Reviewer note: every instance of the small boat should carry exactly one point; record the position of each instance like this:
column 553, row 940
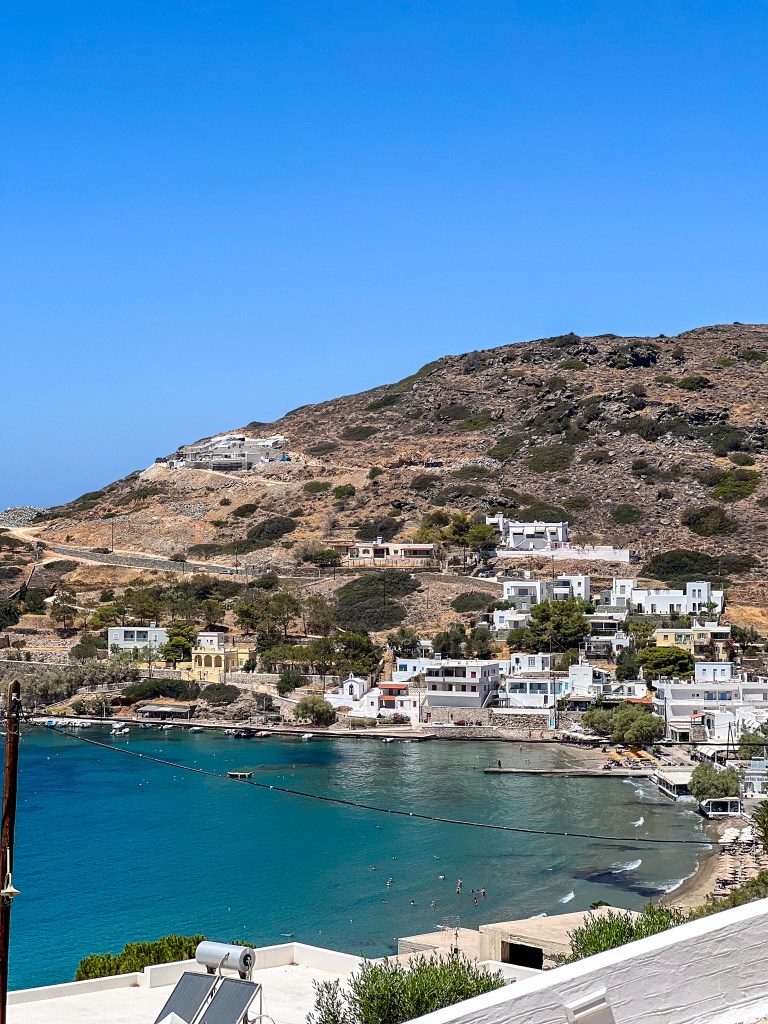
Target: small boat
column 388, row 739
column 262, row 735
column 196, row 728
column 230, row 732
column 308, row 736
column 239, row 775
column 120, row 730
column 244, row 734
column 145, row 725
column 165, row 728
column 51, row 723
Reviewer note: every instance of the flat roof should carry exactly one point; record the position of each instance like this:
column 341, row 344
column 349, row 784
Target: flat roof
column 288, row 996
column 547, row 933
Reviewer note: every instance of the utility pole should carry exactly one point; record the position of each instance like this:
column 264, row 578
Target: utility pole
column 10, row 779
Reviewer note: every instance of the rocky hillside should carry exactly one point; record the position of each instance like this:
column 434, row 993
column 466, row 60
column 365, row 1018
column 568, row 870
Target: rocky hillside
column 651, row 443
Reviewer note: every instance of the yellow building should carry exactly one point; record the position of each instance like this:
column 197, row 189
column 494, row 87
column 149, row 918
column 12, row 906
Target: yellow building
column 709, row 641
column 212, row 657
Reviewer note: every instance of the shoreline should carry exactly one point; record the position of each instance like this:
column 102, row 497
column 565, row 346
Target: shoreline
column 697, row 887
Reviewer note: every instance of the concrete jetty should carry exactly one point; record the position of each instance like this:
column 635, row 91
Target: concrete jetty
column 576, row 773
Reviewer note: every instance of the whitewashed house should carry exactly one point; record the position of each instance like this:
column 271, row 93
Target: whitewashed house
column 535, row 536
column 533, row 690
column 525, row 593
column 131, row 638
column 507, row 619
column 520, row 662
column 461, row 682
column 697, row 598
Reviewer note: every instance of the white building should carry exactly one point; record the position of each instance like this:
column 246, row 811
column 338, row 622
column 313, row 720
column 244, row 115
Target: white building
column 389, row 698
column 520, row 540
column 525, row 593
column 535, row 536
column 697, row 598
column 229, row 452
column 520, row 662
column 566, row 587
column 461, row 682
column 710, row 708
column 130, row 638
column 383, row 552
column 533, row 690
column 507, row 619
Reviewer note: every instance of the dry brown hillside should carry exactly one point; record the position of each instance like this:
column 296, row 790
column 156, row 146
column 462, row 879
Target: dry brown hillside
column 652, row 443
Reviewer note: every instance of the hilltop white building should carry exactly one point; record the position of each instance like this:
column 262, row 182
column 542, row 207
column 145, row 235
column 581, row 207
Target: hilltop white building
column 229, row 452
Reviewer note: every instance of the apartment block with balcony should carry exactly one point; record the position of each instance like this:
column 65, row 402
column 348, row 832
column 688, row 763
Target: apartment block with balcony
column 711, row 641
column 461, row 683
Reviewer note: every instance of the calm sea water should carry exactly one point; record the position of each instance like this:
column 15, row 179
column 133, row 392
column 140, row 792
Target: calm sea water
column 112, row 848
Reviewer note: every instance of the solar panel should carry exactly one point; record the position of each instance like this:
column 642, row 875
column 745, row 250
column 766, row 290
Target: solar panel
column 230, row 1002
column 188, row 996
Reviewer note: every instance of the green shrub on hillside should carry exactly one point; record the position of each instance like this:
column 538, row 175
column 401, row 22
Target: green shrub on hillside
column 387, row 400
column 505, row 447
column 753, row 355
column 370, row 602
column 707, row 520
column 472, row 471
column 316, row 486
column 694, row 383
column 425, row 482
column 742, row 458
column 477, row 421
column 681, row 566
column 550, row 458
column 374, row 472
column 323, row 448
column 243, row 511
column 736, row 485
column 267, row 532
column 471, row 601
column 626, row 514
column 598, row 456
column 578, row 503
column 573, row 364
column 724, row 361
column 384, row 526
column 344, row 491
column 359, row 433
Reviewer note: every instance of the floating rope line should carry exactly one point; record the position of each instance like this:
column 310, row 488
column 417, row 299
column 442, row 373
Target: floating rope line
column 399, row 812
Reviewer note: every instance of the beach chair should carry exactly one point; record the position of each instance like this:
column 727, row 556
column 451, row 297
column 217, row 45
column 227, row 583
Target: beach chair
column 230, row 1002
column 188, row 997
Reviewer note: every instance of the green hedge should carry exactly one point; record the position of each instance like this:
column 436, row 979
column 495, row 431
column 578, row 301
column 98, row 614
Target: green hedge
column 135, row 956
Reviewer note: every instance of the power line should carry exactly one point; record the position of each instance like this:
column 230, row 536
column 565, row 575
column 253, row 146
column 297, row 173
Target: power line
column 339, row 801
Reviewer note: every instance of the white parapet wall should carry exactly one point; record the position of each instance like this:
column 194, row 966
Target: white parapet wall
column 576, row 553
column 710, row 971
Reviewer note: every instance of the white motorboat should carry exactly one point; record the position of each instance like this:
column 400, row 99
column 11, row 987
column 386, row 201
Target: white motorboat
column 308, row 736
column 197, row 728
column 230, row 732
column 388, row 739
column 165, row 728
column 119, row 730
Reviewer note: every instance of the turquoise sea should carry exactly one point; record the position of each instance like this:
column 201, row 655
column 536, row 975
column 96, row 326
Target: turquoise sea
column 111, row 848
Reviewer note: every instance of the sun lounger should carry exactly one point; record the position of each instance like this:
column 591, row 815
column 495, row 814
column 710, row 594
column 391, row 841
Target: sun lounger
column 230, row 1002
column 188, row 997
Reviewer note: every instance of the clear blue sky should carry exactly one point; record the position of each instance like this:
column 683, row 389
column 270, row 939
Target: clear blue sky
column 216, row 211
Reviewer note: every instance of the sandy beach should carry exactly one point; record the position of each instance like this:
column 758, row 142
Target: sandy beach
column 700, row 885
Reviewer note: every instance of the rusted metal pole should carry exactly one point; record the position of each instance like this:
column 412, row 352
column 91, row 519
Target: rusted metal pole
column 10, row 779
